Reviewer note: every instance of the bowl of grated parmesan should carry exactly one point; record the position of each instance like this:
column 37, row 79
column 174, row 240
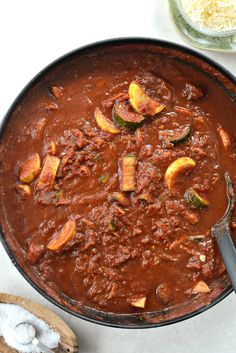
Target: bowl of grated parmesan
column 215, row 18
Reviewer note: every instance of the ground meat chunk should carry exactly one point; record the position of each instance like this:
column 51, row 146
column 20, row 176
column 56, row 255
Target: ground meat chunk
column 35, row 252
column 81, row 263
column 192, row 93
column 154, row 209
column 100, row 215
column 165, row 91
column 78, row 136
column 72, row 138
column 118, row 257
column 225, row 137
column 56, row 91
column 163, row 293
column 191, row 217
column 148, row 176
column 145, row 152
column 194, row 263
column 37, row 128
column 174, row 207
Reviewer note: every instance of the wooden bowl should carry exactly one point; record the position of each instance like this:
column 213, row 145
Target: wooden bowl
column 68, row 342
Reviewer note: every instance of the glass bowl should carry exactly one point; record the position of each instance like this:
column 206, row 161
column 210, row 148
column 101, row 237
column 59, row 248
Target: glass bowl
column 199, row 36
column 201, row 29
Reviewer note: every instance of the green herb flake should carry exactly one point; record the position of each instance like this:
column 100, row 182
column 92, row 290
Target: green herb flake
column 58, row 195
column 103, row 179
column 112, row 225
column 96, row 156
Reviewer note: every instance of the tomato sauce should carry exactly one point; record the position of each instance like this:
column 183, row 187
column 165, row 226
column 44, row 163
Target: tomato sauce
column 75, row 225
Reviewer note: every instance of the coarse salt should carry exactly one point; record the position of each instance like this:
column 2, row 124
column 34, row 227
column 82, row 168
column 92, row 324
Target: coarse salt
column 217, row 15
column 11, row 315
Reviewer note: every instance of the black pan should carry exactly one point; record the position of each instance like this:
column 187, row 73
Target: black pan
column 147, row 319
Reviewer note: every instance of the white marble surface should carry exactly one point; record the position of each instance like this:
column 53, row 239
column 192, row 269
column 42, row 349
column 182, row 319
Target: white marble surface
column 32, row 35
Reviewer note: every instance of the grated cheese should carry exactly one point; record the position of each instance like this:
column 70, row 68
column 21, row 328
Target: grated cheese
column 217, row 15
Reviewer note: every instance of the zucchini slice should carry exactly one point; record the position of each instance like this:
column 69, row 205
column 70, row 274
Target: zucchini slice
column 141, row 102
column 30, row 169
column 23, row 190
column 122, row 116
column 179, row 166
column 139, row 302
column 145, row 197
column 67, row 232
column 104, row 123
column 175, row 136
column 194, row 199
column 51, row 148
column 48, row 173
column 127, row 177
column 120, row 198
column 201, row 287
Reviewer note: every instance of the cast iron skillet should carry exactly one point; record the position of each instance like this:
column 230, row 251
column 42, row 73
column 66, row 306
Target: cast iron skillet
column 147, row 319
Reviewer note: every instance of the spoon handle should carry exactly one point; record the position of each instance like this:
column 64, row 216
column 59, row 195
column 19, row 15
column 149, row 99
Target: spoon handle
column 228, row 253
column 41, row 346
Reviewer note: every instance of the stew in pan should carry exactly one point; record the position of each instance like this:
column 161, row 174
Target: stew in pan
column 112, row 177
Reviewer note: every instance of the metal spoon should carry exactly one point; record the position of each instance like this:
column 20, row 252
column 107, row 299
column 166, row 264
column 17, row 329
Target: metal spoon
column 31, row 339
column 222, row 235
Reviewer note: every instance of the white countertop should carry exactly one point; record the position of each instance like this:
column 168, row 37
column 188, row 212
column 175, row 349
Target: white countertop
column 34, row 34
